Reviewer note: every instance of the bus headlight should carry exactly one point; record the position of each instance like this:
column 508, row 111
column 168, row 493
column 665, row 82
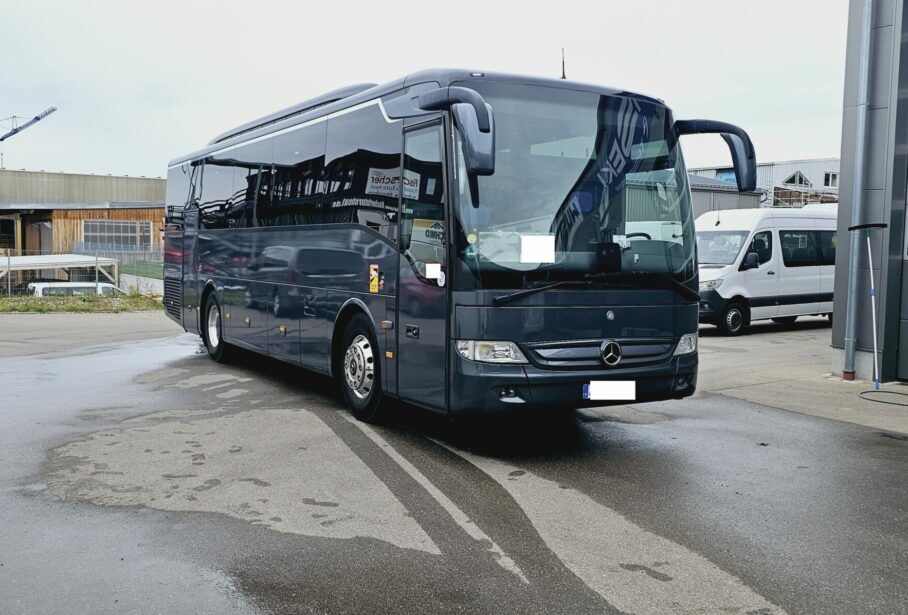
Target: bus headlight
column 687, row 344
column 710, row 285
column 490, row 352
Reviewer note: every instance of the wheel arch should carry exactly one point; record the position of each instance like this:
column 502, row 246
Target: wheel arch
column 347, row 311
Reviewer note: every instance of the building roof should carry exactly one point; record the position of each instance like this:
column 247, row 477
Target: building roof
column 768, row 164
column 107, row 205
column 52, row 261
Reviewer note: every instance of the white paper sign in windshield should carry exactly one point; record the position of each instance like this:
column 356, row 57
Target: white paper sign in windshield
column 386, row 182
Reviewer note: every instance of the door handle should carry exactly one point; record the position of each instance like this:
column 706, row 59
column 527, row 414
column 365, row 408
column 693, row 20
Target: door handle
column 413, row 331
column 770, row 273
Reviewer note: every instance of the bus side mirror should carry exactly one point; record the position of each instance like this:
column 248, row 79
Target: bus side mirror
column 742, row 148
column 478, row 146
column 751, row 261
column 474, row 119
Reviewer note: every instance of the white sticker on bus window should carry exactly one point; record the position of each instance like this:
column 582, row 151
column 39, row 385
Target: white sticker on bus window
column 537, row 248
column 433, row 270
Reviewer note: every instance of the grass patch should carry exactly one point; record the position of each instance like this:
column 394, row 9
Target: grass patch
column 93, row 303
column 145, row 269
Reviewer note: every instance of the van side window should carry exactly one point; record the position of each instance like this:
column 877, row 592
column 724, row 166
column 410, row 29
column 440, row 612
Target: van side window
column 762, row 245
column 826, row 241
column 799, row 248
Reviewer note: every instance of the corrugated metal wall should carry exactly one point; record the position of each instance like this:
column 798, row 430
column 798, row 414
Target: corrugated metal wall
column 42, row 187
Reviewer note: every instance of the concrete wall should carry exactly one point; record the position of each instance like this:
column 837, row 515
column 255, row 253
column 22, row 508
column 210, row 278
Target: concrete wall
column 36, row 187
column 884, row 172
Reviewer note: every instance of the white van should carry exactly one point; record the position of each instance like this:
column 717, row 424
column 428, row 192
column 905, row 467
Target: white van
column 68, row 289
column 765, row 263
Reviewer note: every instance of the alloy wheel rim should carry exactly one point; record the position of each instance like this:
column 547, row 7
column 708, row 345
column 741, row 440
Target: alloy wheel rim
column 359, row 367
column 214, row 326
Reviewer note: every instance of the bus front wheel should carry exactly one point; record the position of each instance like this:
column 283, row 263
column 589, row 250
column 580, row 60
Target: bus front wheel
column 212, row 329
column 359, row 370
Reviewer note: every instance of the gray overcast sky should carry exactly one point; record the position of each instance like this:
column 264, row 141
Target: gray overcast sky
column 138, row 83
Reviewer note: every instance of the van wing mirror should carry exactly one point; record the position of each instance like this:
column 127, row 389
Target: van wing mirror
column 739, row 143
column 474, row 119
column 751, row 261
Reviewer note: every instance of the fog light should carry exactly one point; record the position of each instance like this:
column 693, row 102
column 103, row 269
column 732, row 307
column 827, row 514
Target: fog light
column 507, row 392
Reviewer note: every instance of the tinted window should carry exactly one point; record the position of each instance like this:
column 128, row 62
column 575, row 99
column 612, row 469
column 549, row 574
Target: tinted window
column 424, row 229
column 799, row 248
column 363, row 170
column 177, row 193
column 762, row 245
column 252, row 178
column 826, row 241
column 216, row 189
column 299, row 183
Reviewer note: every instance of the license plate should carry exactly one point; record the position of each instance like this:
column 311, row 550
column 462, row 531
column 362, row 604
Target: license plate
column 610, row 390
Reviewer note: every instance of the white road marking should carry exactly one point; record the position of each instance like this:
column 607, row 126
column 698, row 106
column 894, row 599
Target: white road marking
column 459, row 517
column 633, row 569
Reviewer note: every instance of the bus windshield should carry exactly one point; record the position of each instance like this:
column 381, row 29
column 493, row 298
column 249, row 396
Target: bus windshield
column 583, row 183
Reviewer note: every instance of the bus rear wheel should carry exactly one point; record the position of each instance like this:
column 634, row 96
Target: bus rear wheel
column 358, row 370
column 213, row 328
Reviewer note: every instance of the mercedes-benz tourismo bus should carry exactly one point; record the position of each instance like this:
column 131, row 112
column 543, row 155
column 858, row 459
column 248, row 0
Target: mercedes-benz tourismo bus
column 464, row 241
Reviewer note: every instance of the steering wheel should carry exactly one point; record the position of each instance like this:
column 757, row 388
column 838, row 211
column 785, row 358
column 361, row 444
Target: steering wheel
column 644, row 235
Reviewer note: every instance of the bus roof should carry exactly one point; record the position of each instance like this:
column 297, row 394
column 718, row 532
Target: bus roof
column 344, row 98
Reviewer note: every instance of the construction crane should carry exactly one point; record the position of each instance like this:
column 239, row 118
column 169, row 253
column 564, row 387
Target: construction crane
column 18, row 129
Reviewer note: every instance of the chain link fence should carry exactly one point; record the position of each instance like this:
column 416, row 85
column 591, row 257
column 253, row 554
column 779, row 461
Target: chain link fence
column 82, row 270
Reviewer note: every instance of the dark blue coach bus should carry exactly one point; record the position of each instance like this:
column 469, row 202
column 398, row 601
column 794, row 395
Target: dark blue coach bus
column 467, row 242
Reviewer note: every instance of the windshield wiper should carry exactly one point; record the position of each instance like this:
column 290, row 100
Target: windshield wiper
column 520, row 294
column 661, row 279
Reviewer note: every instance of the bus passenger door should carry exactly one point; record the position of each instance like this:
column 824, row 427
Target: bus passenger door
column 422, row 285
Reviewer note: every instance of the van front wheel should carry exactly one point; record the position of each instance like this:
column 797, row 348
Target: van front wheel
column 735, row 319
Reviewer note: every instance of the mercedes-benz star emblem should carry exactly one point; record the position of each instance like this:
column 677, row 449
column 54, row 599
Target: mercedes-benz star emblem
column 610, row 315
column 611, row 353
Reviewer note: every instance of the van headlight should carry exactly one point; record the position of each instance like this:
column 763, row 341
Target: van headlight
column 687, row 344
column 710, row 285
column 490, row 352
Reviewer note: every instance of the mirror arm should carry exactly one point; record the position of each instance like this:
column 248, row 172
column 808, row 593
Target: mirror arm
column 738, row 142
column 443, row 98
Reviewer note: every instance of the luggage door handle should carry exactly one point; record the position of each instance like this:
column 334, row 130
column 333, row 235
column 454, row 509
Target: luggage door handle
column 412, row 331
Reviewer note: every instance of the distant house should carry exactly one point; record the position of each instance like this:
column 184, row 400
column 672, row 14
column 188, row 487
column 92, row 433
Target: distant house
column 792, row 183
column 43, row 212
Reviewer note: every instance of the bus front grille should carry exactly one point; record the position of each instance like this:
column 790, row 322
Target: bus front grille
column 587, row 354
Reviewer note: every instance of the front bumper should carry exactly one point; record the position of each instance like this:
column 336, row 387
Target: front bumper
column 712, row 306
column 476, row 388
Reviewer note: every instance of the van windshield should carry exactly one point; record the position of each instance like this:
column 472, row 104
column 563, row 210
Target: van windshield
column 719, row 247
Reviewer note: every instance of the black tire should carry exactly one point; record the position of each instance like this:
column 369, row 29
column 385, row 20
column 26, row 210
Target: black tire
column 358, row 370
column 735, row 319
column 829, row 316
column 217, row 348
column 785, row 320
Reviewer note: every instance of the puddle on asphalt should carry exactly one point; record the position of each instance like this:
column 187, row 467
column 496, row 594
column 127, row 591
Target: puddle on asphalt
column 280, row 468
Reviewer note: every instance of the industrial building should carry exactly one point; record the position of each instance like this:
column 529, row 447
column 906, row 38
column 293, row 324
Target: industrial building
column 43, row 212
column 790, row 183
column 709, row 194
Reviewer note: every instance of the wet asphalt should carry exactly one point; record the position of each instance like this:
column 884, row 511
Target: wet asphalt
column 139, row 477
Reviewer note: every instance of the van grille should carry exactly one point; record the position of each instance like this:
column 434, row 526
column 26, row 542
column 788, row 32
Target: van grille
column 172, row 296
column 586, row 354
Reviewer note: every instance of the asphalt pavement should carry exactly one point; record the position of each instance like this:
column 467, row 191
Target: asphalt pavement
column 137, row 476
